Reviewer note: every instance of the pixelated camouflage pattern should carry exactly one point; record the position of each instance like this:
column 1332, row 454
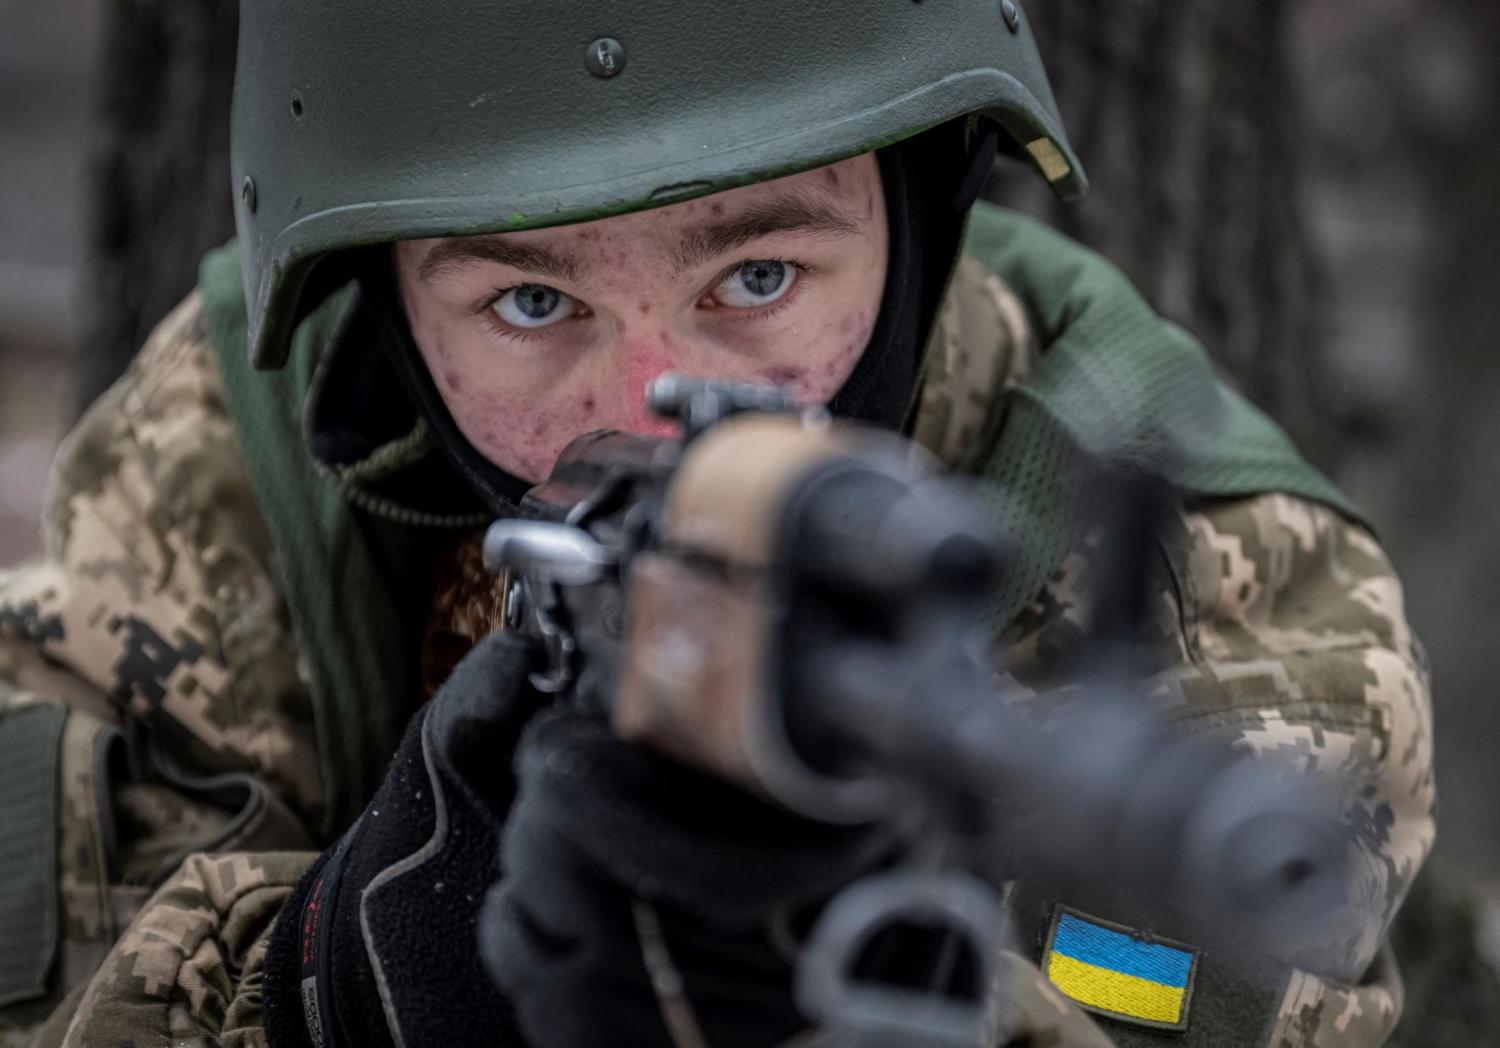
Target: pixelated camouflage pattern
column 1278, row 623
column 154, row 614
column 1318, row 1014
column 981, row 346
column 1300, row 647
column 157, row 584
column 187, row 972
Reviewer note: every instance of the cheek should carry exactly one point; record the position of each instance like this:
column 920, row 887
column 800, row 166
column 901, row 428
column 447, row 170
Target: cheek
column 846, row 343
column 828, row 359
column 524, row 434
column 525, row 439
column 518, row 429
column 523, row 430
column 638, row 370
column 433, row 344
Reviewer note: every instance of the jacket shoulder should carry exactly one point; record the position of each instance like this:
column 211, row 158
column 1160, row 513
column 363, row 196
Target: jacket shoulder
column 981, row 345
column 151, row 624
column 158, row 585
column 1277, row 624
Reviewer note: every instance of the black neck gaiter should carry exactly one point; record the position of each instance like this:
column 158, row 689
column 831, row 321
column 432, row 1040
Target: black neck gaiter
column 930, row 182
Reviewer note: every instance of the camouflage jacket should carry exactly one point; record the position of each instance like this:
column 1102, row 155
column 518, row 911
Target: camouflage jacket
column 164, row 741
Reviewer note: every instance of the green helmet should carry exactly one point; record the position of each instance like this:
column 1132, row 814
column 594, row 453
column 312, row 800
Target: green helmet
column 357, row 123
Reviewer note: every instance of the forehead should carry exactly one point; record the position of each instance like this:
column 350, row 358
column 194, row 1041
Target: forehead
column 840, row 197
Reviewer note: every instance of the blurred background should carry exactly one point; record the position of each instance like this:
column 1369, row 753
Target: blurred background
column 1313, row 187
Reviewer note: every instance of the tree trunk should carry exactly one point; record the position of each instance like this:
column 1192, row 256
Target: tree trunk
column 1184, row 114
column 159, row 177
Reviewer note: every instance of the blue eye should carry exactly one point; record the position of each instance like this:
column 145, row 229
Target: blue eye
column 534, row 306
column 757, row 283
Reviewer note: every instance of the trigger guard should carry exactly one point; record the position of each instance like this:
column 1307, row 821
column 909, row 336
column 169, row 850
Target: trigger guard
column 858, row 1011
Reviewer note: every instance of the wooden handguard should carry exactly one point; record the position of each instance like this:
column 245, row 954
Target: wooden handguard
column 693, row 679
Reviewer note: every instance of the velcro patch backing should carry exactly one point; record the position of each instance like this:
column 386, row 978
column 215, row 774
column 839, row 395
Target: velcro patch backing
column 30, row 742
column 1120, row 972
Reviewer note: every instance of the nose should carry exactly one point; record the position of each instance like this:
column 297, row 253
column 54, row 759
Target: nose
column 642, row 359
column 645, row 422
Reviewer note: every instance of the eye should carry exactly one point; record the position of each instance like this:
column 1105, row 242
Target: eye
column 534, row 306
column 756, row 283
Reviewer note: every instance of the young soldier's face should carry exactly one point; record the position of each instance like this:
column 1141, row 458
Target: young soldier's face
column 536, row 337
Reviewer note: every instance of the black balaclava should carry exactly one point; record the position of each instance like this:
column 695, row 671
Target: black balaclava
column 931, row 181
column 367, row 399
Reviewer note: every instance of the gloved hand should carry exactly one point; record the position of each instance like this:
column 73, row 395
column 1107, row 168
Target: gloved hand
column 377, row 946
column 640, row 894
column 610, row 852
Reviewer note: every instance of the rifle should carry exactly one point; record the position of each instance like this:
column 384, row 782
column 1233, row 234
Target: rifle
column 797, row 606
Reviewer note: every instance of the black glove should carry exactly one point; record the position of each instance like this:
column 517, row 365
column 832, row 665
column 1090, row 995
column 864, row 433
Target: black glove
column 613, row 854
column 384, row 933
column 380, row 933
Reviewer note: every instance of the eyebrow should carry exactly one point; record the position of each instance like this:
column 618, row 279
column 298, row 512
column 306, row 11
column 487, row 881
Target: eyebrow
column 457, row 252
column 784, row 213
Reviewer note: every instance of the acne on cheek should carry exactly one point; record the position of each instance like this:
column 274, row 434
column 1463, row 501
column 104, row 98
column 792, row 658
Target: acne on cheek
column 854, row 334
column 441, row 366
column 524, row 434
column 525, row 448
column 486, row 417
column 837, row 370
column 841, row 345
column 521, row 434
column 526, row 439
column 797, row 378
column 857, row 328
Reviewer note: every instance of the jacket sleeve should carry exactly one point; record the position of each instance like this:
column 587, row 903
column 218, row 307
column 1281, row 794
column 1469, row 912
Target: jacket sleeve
column 188, row 969
column 1298, row 645
column 1281, row 627
column 148, row 676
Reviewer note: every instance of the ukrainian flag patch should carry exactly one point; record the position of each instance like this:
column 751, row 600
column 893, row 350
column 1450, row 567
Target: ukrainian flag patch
column 1119, row 972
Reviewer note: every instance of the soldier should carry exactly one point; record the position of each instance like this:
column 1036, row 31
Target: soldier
column 253, row 577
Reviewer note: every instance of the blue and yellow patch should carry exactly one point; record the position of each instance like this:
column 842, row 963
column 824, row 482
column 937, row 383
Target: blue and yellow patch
column 1116, row 971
